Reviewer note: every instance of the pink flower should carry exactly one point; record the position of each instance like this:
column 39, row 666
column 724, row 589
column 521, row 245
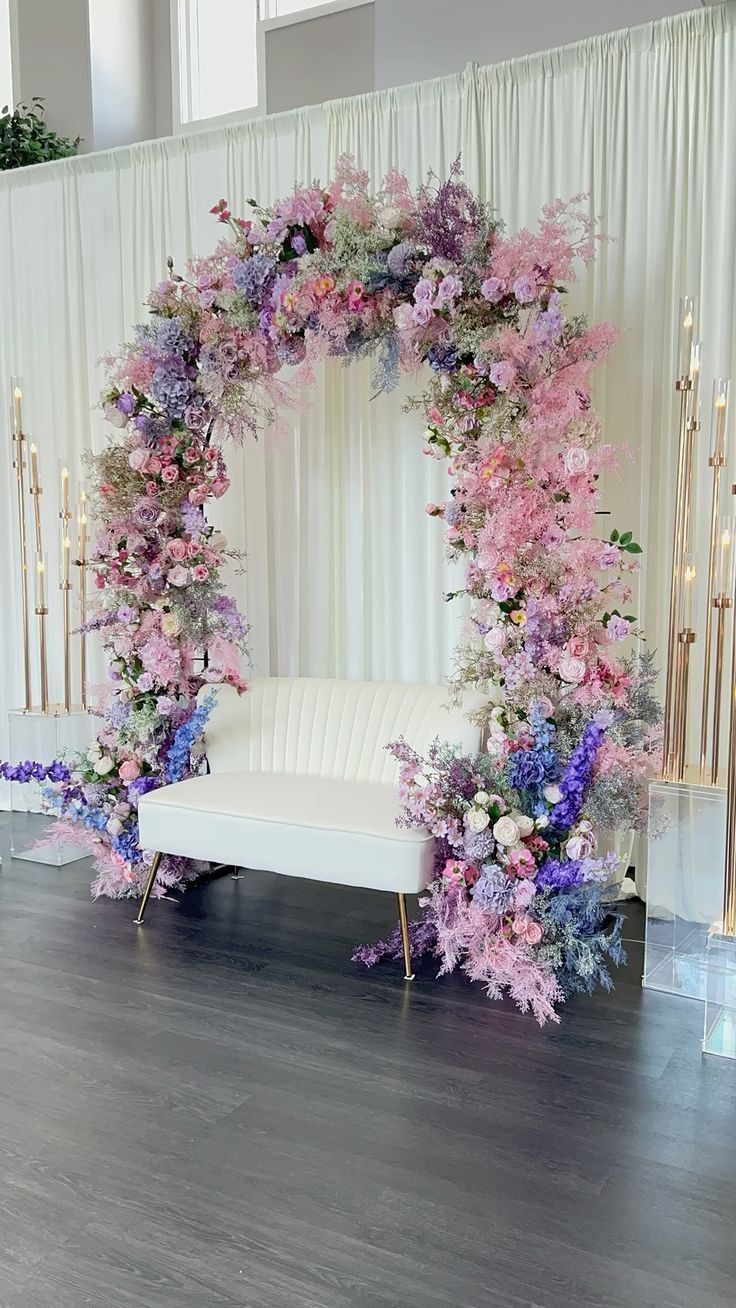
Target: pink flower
column 522, row 862
column 422, row 313
column 177, row 576
column 200, row 572
column 525, row 289
column 151, row 488
column 577, row 647
column 424, row 290
column 492, row 289
column 170, row 474
column 449, row 289
column 193, row 549
column 138, row 459
column 617, row 628
column 533, row 933
column 609, row 557
column 129, row 770
column 576, row 460
column 177, row 549
column 154, row 464
column 404, row 318
column 572, row 670
column 503, row 375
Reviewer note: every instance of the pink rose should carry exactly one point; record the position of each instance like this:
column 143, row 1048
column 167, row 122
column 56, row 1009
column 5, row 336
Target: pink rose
column 422, row 313
column 577, row 647
column 154, row 464
column 138, row 459
column 177, row 576
column 177, row 549
column 170, row 474
column 495, row 639
column 533, row 933
column 503, row 375
column 193, row 549
column 492, row 289
column 571, row 670
column 200, row 572
column 151, row 488
column 129, row 770
column 403, row 318
column 576, row 460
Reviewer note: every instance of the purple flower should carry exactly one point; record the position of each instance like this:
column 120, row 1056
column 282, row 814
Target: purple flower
column 492, row 290
column 298, row 243
column 400, row 259
column 125, row 403
column 145, row 682
column 525, row 289
column 164, row 705
column 493, row 889
column 576, row 777
column 442, row 356
column 145, row 513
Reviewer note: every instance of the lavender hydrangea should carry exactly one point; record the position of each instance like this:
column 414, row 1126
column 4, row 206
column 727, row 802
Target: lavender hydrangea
column 250, row 276
column 493, row 889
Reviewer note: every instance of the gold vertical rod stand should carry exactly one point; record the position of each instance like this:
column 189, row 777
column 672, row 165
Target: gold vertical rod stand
column 66, row 589
column 729, row 872
column 717, row 462
column 683, row 386
column 720, row 604
column 18, row 439
column 82, row 636
column 41, row 614
column 685, row 639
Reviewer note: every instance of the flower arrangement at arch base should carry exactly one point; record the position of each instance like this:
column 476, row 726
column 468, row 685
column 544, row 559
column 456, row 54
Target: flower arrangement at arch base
column 418, row 280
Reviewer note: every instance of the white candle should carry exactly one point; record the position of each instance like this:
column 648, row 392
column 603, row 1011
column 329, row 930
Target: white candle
column 65, row 490
column 719, row 421
column 66, row 547
column 687, row 334
column 34, row 468
column 17, row 413
column 695, row 376
column 687, row 596
column 40, row 582
column 724, row 563
column 82, row 529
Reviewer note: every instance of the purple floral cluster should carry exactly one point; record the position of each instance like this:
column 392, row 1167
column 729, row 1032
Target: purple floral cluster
column 30, row 771
column 575, row 779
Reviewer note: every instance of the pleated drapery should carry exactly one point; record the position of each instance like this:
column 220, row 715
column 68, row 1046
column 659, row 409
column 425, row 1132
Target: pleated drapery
column 345, row 572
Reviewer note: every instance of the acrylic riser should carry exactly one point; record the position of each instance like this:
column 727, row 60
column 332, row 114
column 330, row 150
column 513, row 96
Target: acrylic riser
column 685, row 856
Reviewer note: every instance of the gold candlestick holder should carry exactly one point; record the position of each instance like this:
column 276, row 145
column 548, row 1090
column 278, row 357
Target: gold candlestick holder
column 18, row 443
column 729, row 872
column 720, row 604
column 685, row 639
column 680, row 531
column 717, row 462
column 42, row 614
column 81, row 564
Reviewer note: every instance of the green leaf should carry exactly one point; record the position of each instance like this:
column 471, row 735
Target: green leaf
column 614, row 536
column 627, row 538
column 634, row 549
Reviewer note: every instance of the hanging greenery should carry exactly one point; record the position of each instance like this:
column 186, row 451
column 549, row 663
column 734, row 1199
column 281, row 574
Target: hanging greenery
column 25, row 139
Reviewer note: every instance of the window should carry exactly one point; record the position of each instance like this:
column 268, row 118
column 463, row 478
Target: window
column 6, row 72
column 217, row 57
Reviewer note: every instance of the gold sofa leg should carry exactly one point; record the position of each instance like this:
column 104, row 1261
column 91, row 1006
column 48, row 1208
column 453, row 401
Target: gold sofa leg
column 149, row 887
column 408, row 974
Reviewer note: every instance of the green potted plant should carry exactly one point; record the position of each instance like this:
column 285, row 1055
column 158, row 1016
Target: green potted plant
column 25, row 139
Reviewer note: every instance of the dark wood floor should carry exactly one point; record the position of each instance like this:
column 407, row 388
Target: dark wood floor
column 221, row 1109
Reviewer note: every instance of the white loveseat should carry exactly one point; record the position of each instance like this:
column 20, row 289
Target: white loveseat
column 300, row 783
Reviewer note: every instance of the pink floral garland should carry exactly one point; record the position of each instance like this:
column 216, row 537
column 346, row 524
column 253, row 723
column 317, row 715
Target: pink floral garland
column 415, row 279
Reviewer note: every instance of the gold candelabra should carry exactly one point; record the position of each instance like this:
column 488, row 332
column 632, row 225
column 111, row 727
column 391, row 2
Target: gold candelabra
column 41, row 606
column 681, row 635
column 717, row 461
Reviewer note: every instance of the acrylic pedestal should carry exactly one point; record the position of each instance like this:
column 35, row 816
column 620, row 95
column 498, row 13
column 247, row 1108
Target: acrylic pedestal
column 685, row 856
column 42, row 737
column 719, row 1033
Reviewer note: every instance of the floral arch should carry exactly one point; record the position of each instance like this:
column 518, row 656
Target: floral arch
column 425, row 278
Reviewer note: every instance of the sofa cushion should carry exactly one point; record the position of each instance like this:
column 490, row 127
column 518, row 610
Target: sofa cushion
column 321, row 828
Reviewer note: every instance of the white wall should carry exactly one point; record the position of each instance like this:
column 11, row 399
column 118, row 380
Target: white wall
column 51, row 40
column 320, row 58
column 419, row 39
column 121, row 35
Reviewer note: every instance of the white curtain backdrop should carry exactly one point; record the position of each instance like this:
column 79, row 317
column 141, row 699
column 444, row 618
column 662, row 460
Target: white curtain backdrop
column 344, row 570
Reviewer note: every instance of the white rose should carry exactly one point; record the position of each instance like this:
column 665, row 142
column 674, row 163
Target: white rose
column 481, row 797
column 552, row 794
column 576, row 459
column 390, row 217
column 495, row 639
column 103, row 766
column 115, row 416
column 524, row 823
column 541, row 822
column 571, row 670
column 114, row 826
column 506, row 831
column 578, row 847
column 476, row 819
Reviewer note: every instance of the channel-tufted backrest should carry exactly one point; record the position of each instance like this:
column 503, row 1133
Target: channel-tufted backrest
column 322, row 728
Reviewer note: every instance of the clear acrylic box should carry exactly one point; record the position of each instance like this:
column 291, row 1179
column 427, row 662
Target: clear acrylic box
column 42, row 737
column 719, row 1034
column 685, row 859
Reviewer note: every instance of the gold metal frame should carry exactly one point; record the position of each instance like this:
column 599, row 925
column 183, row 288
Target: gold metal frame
column 148, row 888
column 680, row 535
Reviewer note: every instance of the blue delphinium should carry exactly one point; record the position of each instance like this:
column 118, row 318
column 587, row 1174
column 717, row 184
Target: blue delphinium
column 576, row 777
column 528, row 771
column 179, row 751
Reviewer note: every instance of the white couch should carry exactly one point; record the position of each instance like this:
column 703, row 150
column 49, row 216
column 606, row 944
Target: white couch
column 300, row 783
